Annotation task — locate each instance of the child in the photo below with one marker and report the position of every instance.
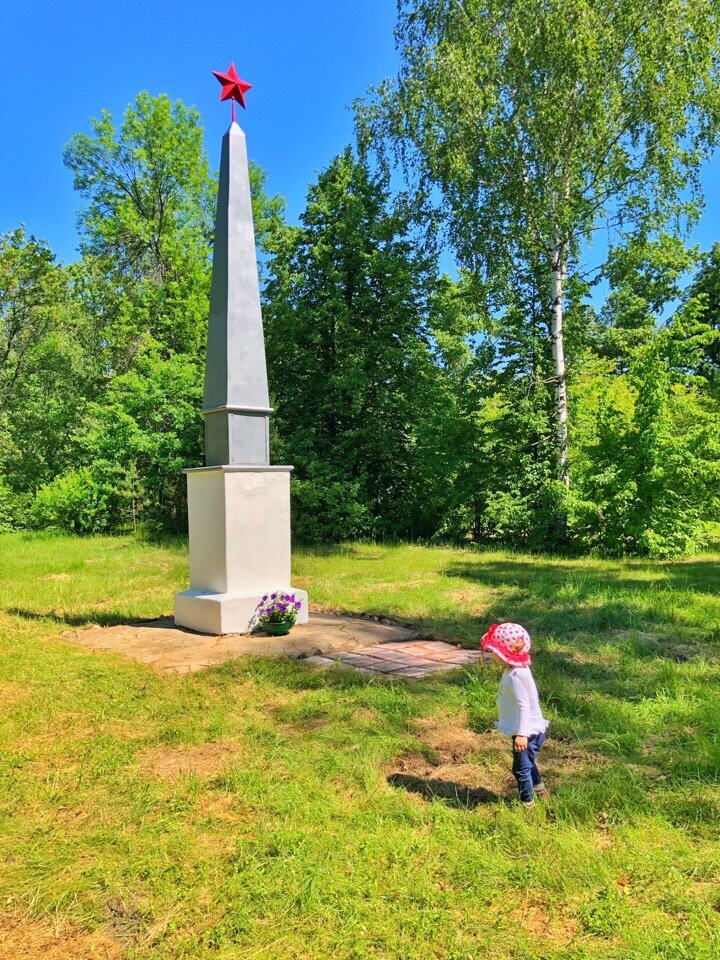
(519, 714)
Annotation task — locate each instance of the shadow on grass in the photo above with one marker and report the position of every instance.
(454, 794)
(564, 599)
(357, 550)
(100, 618)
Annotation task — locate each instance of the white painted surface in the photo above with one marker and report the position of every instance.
(257, 509)
(207, 529)
(239, 523)
(218, 613)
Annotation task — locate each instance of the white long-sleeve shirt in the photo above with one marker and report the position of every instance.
(519, 712)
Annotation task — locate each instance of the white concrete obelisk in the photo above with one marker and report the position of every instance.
(238, 505)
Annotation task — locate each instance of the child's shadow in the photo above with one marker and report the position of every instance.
(454, 794)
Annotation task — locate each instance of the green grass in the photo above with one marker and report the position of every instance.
(297, 846)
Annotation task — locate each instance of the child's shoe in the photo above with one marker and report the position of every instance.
(528, 804)
(542, 791)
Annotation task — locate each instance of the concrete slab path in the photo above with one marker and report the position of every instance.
(410, 659)
(166, 647)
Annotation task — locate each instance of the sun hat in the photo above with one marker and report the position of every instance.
(510, 642)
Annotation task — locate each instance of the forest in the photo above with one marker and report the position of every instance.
(487, 326)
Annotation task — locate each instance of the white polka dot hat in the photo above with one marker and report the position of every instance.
(510, 642)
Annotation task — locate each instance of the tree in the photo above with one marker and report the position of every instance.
(349, 356)
(50, 369)
(147, 227)
(646, 456)
(646, 276)
(706, 285)
(30, 285)
(535, 120)
(142, 435)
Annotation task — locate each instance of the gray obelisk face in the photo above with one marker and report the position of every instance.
(236, 403)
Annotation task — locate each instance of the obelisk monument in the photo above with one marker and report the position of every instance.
(238, 504)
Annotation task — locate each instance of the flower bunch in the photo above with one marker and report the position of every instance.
(278, 608)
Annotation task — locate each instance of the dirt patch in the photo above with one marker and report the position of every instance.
(22, 938)
(562, 759)
(365, 715)
(491, 777)
(397, 584)
(455, 762)
(205, 759)
(444, 769)
(449, 738)
(218, 806)
(56, 576)
(542, 925)
(12, 693)
(472, 601)
(603, 839)
(432, 788)
(221, 821)
(125, 923)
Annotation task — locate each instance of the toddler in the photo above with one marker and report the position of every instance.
(519, 713)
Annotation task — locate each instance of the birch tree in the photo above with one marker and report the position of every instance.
(536, 122)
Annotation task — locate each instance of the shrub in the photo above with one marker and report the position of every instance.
(13, 509)
(75, 502)
(326, 510)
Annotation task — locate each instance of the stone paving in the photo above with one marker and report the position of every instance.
(365, 645)
(410, 660)
(163, 646)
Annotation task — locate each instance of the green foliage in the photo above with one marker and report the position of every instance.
(144, 277)
(526, 125)
(533, 134)
(349, 356)
(146, 227)
(75, 502)
(13, 508)
(648, 458)
(411, 404)
(705, 288)
(328, 509)
(146, 431)
(51, 363)
(30, 284)
(604, 916)
(645, 275)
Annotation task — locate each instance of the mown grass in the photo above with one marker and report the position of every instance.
(297, 846)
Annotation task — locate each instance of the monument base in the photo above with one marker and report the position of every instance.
(239, 526)
(219, 613)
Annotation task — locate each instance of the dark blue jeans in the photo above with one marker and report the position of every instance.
(524, 767)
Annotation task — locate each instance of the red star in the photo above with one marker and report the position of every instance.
(233, 88)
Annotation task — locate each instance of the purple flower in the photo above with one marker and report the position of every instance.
(273, 596)
(297, 604)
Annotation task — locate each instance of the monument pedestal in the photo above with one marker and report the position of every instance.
(239, 525)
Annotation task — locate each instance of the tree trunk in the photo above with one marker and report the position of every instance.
(559, 271)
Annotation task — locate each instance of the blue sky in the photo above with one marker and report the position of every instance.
(61, 63)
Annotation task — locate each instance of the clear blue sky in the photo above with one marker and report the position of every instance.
(61, 63)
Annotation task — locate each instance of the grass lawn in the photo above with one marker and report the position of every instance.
(288, 841)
